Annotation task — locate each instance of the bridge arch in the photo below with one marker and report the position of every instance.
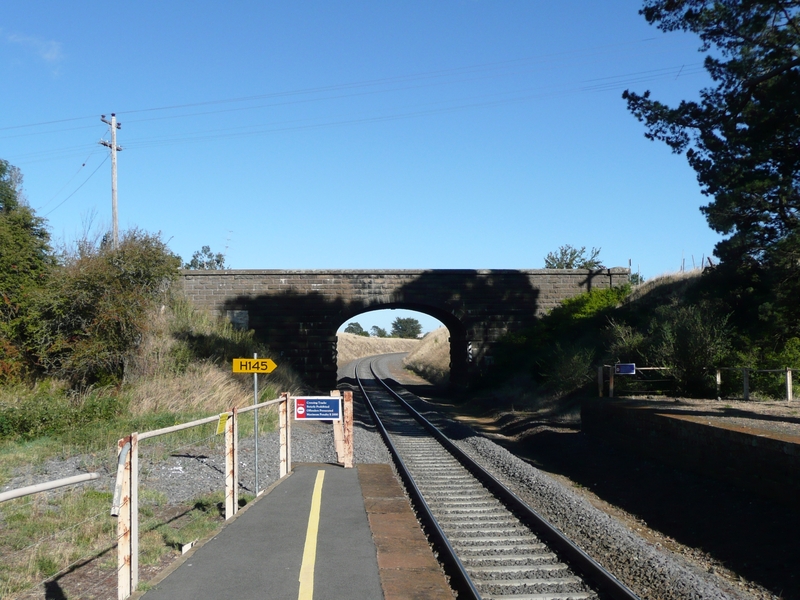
(458, 338)
(298, 312)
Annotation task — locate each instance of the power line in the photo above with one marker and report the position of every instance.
(475, 68)
(67, 183)
(79, 187)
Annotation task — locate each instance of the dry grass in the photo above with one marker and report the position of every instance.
(659, 280)
(431, 358)
(203, 387)
(351, 347)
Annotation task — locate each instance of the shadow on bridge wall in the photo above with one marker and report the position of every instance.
(476, 307)
(480, 306)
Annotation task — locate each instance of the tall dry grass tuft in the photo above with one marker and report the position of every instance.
(183, 365)
(351, 347)
(202, 387)
(648, 286)
(431, 359)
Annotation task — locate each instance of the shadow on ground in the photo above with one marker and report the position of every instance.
(753, 537)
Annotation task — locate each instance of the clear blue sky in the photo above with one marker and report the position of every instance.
(452, 134)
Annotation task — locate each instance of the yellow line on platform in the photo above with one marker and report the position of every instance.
(310, 550)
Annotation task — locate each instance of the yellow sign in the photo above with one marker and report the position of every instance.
(223, 419)
(253, 365)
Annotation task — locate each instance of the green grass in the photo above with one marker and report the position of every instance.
(42, 535)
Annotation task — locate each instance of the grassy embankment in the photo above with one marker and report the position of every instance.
(178, 373)
(351, 347)
(689, 323)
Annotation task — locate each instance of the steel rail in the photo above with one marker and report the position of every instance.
(459, 579)
(590, 568)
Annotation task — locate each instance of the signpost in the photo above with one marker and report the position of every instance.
(255, 366)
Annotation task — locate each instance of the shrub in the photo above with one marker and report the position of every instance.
(93, 312)
(691, 340)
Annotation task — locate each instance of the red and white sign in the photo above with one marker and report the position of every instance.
(318, 408)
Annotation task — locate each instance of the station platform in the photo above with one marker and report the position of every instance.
(322, 533)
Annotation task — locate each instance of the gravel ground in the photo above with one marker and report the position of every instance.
(194, 470)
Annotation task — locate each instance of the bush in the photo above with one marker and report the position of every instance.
(94, 310)
(692, 340)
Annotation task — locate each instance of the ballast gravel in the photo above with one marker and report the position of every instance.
(183, 474)
(651, 572)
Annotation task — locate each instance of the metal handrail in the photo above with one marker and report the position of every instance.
(47, 486)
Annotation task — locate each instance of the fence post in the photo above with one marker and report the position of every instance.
(338, 432)
(134, 511)
(611, 382)
(283, 418)
(231, 481)
(600, 381)
(124, 528)
(347, 426)
(788, 384)
(746, 384)
(289, 414)
(719, 384)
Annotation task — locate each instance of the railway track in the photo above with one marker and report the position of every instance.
(492, 544)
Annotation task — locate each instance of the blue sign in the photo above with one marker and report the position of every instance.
(318, 408)
(625, 369)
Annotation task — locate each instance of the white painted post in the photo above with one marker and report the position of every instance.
(611, 381)
(338, 432)
(124, 529)
(746, 384)
(289, 414)
(348, 430)
(235, 417)
(600, 382)
(719, 384)
(134, 511)
(230, 469)
(788, 384)
(283, 414)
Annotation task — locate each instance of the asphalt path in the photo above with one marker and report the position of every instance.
(259, 554)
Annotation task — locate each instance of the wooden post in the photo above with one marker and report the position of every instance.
(289, 417)
(230, 468)
(235, 417)
(746, 384)
(719, 384)
(347, 426)
(338, 432)
(124, 529)
(134, 511)
(600, 381)
(788, 384)
(283, 418)
(611, 381)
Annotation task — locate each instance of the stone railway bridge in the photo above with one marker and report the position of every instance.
(298, 312)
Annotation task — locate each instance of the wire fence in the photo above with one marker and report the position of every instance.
(65, 543)
(743, 382)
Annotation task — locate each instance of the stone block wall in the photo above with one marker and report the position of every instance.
(298, 312)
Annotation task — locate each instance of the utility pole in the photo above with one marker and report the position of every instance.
(113, 125)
